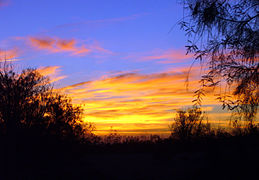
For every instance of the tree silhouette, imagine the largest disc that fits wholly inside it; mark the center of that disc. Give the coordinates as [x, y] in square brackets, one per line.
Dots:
[28, 100]
[224, 35]
[31, 109]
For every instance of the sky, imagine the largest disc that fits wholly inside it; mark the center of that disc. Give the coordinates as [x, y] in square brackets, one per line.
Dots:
[124, 61]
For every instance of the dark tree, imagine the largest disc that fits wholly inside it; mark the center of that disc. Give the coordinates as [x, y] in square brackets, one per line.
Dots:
[30, 110]
[223, 35]
[28, 100]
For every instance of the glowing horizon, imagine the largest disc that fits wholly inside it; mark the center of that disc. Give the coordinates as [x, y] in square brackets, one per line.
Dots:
[136, 104]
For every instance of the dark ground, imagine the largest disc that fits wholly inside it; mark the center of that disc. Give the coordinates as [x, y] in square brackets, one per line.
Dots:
[232, 158]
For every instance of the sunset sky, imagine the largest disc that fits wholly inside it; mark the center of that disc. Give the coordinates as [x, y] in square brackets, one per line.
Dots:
[123, 61]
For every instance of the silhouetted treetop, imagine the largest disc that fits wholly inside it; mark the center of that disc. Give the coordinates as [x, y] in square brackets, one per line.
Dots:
[27, 100]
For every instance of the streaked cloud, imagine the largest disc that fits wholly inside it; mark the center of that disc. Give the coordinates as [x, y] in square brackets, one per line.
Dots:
[135, 101]
[53, 72]
[42, 43]
[167, 56]
[160, 56]
[56, 45]
[100, 21]
[69, 46]
[9, 55]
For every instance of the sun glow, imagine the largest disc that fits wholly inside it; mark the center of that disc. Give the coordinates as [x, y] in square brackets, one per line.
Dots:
[134, 102]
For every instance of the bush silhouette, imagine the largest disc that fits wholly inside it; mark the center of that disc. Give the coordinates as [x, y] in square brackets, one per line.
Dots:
[188, 124]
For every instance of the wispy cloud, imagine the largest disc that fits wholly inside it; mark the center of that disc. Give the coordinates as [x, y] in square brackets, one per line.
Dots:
[53, 72]
[163, 56]
[9, 55]
[71, 46]
[56, 45]
[101, 21]
[168, 56]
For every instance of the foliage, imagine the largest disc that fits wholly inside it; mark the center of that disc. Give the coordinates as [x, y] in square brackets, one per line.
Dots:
[189, 124]
[27, 101]
[224, 35]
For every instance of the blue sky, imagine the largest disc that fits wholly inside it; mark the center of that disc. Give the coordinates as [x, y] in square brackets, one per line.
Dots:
[125, 28]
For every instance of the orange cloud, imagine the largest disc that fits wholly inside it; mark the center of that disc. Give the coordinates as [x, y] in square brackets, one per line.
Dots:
[9, 55]
[66, 44]
[52, 72]
[40, 43]
[56, 45]
[134, 102]
[166, 57]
